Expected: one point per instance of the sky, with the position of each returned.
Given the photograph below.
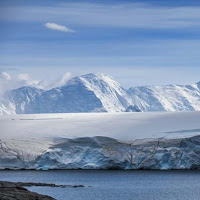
(138, 42)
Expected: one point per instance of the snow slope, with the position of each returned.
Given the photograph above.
(168, 140)
(113, 97)
(87, 93)
(100, 93)
(167, 98)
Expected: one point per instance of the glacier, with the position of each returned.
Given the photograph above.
(100, 93)
(142, 140)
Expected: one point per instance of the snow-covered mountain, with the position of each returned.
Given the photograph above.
(87, 93)
(100, 93)
(167, 98)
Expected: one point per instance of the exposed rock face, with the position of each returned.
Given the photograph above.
(15, 191)
(133, 109)
(108, 153)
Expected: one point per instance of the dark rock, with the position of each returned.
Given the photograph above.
(14, 191)
(132, 108)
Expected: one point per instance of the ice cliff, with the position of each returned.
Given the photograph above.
(139, 140)
(106, 153)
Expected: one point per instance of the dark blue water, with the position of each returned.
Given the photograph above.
(114, 185)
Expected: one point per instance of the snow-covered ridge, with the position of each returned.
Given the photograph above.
(167, 98)
(100, 93)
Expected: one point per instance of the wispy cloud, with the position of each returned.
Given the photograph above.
(57, 27)
(8, 82)
(131, 15)
(5, 76)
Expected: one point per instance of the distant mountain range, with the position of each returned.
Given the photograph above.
(100, 93)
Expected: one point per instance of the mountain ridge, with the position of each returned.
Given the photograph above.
(100, 93)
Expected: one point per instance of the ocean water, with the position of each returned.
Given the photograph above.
(113, 184)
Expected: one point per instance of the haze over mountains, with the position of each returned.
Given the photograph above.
(100, 93)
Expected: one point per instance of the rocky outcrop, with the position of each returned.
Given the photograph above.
(16, 191)
(132, 108)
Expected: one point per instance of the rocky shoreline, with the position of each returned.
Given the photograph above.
(17, 191)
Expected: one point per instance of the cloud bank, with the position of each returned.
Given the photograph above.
(8, 82)
(57, 27)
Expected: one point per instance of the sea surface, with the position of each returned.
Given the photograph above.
(113, 184)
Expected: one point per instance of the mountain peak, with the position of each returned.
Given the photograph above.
(96, 75)
(106, 89)
(91, 76)
(100, 79)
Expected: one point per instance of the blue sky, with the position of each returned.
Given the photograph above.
(136, 42)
